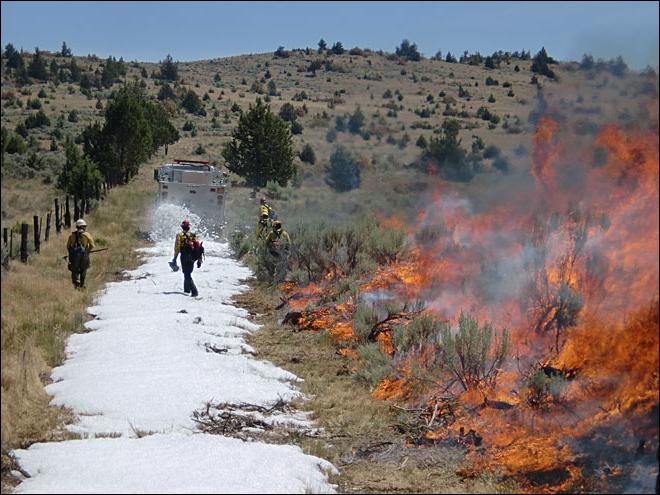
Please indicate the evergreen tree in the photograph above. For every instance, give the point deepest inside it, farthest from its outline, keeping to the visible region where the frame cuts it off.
(408, 51)
(37, 67)
(75, 71)
(450, 58)
(356, 121)
(134, 128)
(342, 173)
(540, 64)
(288, 112)
(307, 155)
(14, 59)
(65, 51)
(261, 147)
(192, 103)
(80, 176)
(169, 70)
(337, 48)
(322, 45)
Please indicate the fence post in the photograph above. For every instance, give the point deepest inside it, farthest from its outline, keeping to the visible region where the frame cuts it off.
(5, 233)
(37, 241)
(67, 213)
(58, 218)
(76, 209)
(47, 227)
(24, 242)
(11, 242)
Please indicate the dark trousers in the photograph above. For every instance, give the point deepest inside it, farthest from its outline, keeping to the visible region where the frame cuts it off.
(187, 266)
(78, 278)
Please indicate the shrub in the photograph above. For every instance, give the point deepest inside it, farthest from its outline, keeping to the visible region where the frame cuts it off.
(342, 173)
(331, 136)
(491, 82)
(288, 112)
(387, 94)
(37, 120)
(356, 121)
(474, 354)
(421, 142)
(445, 155)
(296, 127)
(463, 93)
(375, 365)
(33, 104)
(73, 116)
(364, 320)
(42, 93)
(501, 164)
(281, 52)
(307, 155)
(192, 103)
(200, 150)
(491, 151)
(491, 98)
(188, 125)
(239, 244)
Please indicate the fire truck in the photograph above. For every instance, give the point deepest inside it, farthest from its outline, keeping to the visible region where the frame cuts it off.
(196, 185)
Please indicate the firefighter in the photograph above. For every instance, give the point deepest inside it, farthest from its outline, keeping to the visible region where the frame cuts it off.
(278, 245)
(266, 216)
(79, 244)
(191, 250)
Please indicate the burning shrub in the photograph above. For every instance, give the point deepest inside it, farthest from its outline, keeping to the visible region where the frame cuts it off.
(472, 354)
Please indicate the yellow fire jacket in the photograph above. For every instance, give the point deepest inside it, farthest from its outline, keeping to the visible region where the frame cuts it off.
(85, 239)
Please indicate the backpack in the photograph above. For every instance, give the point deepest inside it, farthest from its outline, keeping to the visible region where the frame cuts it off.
(192, 247)
(77, 254)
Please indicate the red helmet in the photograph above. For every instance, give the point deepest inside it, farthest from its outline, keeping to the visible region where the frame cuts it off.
(185, 225)
(263, 200)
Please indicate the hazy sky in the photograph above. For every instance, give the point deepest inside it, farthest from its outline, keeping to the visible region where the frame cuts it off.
(148, 31)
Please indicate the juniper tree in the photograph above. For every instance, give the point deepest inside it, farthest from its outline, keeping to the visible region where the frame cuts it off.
(261, 148)
(342, 173)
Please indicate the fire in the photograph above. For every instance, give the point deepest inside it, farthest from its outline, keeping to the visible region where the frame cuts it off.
(570, 267)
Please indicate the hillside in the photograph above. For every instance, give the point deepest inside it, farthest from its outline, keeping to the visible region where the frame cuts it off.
(544, 233)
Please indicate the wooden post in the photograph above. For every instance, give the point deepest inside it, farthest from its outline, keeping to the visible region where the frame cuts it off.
(67, 214)
(24, 242)
(5, 233)
(58, 217)
(47, 227)
(37, 234)
(11, 243)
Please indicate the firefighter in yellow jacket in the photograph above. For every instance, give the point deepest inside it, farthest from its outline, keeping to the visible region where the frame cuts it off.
(79, 244)
(266, 216)
(278, 244)
(189, 247)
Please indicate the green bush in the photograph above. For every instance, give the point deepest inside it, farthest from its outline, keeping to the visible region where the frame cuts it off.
(375, 365)
(37, 120)
(307, 155)
(474, 354)
(342, 173)
(239, 243)
(365, 319)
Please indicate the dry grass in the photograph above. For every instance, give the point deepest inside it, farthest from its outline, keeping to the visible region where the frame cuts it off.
(40, 309)
(359, 436)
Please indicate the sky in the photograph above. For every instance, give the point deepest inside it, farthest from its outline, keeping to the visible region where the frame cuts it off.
(148, 31)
